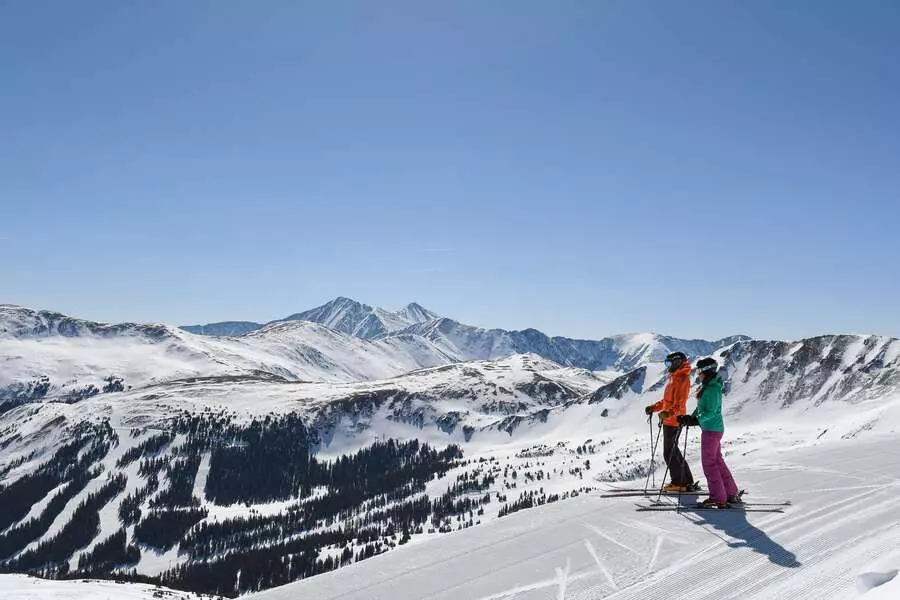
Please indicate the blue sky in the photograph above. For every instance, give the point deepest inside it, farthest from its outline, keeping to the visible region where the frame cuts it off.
(586, 168)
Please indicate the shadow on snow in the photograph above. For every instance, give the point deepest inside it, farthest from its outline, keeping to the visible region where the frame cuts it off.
(743, 534)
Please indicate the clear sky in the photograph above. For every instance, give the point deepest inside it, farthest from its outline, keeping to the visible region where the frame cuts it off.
(695, 168)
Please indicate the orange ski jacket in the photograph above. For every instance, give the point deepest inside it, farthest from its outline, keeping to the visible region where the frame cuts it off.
(676, 395)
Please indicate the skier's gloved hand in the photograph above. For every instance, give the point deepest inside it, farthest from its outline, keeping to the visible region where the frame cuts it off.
(665, 415)
(648, 410)
(688, 421)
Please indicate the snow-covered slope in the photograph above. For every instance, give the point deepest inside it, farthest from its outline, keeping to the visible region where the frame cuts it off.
(73, 356)
(847, 368)
(440, 404)
(843, 517)
(139, 436)
(24, 587)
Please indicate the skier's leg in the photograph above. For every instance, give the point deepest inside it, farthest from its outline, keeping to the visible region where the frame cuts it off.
(669, 442)
(688, 477)
(710, 453)
(731, 488)
(681, 472)
(673, 455)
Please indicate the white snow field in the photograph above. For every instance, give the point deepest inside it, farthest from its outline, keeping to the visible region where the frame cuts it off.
(24, 587)
(844, 519)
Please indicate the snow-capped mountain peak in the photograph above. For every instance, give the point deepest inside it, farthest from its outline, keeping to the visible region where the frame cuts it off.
(341, 314)
(361, 320)
(416, 313)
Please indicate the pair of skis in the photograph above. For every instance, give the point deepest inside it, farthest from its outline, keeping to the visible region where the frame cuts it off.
(668, 506)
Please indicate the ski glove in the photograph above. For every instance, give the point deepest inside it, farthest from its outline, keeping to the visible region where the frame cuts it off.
(648, 410)
(665, 415)
(688, 421)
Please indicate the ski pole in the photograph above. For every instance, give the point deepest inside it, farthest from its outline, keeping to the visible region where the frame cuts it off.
(653, 447)
(683, 465)
(652, 453)
(666, 474)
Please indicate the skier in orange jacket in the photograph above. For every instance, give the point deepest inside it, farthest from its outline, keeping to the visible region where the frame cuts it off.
(673, 405)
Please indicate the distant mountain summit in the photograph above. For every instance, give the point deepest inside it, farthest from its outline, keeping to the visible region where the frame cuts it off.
(361, 320)
(341, 314)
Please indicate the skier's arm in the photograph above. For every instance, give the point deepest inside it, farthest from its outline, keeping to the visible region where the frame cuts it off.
(680, 394)
(664, 405)
(701, 404)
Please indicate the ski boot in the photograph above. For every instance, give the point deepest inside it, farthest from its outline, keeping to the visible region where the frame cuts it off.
(676, 488)
(736, 499)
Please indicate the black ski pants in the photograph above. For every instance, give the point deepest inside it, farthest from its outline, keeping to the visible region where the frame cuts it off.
(678, 467)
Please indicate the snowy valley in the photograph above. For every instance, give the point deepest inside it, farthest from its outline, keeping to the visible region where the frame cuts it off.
(364, 453)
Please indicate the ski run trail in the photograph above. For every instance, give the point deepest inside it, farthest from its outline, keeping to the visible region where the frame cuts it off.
(838, 539)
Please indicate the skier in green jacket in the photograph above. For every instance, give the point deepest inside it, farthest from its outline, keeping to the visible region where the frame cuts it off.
(708, 415)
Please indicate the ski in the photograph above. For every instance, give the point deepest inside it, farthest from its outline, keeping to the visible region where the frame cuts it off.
(655, 491)
(778, 503)
(736, 508)
(648, 493)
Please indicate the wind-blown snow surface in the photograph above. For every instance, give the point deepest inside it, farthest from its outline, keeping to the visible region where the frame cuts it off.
(24, 587)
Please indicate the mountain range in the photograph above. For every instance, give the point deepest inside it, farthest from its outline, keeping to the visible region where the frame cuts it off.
(51, 355)
(464, 342)
(232, 463)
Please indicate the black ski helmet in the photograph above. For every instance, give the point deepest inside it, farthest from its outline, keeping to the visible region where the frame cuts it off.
(707, 365)
(675, 360)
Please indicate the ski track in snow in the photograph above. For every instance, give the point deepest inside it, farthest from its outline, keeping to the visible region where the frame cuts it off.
(610, 539)
(600, 565)
(563, 575)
